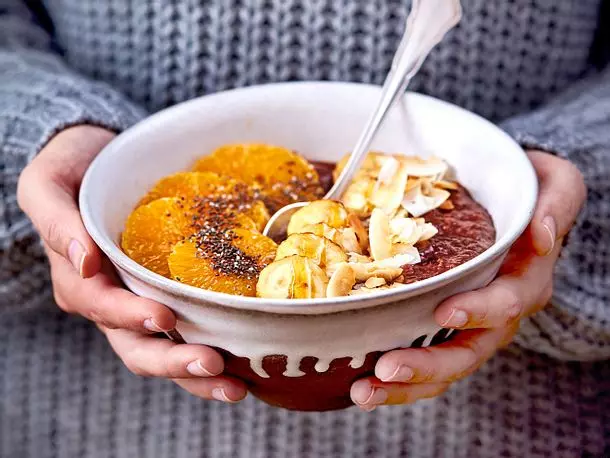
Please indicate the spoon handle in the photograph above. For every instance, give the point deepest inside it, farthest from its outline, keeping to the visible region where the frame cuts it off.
(427, 24)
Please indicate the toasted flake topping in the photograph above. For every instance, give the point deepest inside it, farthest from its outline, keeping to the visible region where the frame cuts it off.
(377, 225)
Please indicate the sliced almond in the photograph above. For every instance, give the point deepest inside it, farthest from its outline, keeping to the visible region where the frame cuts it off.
(375, 282)
(447, 205)
(364, 271)
(379, 235)
(341, 282)
(355, 257)
(445, 184)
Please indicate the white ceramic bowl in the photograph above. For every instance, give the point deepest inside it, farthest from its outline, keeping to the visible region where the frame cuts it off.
(332, 337)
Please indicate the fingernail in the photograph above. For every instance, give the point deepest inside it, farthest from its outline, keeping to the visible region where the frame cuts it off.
(220, 395)
(551, 227)
(401, 373)
(373, 397)
(197, 369)
(150, 324)
(76, 254)
(457, 319)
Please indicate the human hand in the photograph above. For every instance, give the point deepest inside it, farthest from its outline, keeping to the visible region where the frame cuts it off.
(488, 318)
(85, 283)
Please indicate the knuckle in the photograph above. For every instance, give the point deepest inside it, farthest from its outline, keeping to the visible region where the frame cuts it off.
(428, 372)
(513, 305)
(474, 352)
(52, 234)
(173, 363)
(483, 313)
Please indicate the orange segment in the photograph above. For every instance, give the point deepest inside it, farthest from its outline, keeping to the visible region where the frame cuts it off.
(152, 230)
(188, 185)
(282, 176)
(226, 261)
(221, 191)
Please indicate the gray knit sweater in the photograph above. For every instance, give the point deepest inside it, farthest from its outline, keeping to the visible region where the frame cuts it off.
(536, 66)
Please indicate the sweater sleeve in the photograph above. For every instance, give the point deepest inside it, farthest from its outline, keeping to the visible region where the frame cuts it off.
(576, 126)
(39, 96)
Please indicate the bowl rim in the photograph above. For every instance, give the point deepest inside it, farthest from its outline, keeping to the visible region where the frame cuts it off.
(298, 306)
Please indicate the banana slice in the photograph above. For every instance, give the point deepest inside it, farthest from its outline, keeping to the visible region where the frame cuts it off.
(294, 277)
(329, 212)
(346, 237)
(341, 282)
(320, 250)
(357, 194)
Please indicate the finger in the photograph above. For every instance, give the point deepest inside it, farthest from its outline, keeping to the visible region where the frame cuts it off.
(225, 389)
(102, 300)
(443, 363)
(55, 216)
(505, 301)
(47, 193)
(156, 357)
(370, 393)
(562, 195)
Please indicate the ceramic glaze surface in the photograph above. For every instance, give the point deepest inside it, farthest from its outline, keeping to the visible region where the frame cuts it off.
(255, 335)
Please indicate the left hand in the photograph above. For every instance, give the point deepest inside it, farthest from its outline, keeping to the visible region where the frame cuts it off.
(488, 318)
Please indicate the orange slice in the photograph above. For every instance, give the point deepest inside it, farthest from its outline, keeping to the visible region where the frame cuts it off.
(221, 191)
(282, 176)
(152, 230)
(226, 261)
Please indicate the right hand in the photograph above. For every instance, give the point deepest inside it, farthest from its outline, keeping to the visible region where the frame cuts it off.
(85, 283)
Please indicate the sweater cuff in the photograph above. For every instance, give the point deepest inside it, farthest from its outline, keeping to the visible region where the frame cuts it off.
(535, 132)
(40, 101)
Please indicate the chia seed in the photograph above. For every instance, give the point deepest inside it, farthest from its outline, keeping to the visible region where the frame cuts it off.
(213, 219)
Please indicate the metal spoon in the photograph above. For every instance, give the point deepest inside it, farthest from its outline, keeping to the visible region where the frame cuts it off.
(427, 24)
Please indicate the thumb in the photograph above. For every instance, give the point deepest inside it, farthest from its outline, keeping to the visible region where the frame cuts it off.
(562, 195)
(47, 193)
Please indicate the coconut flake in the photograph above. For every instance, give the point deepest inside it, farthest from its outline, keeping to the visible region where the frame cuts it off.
(431, 167)
(418, 204)
(387, 195)
(388, 170)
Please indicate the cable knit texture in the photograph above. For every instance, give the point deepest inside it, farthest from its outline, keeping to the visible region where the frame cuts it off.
(534, 66)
